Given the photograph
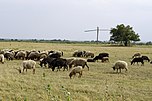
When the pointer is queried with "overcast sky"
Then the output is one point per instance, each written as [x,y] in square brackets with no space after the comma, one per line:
[68,19]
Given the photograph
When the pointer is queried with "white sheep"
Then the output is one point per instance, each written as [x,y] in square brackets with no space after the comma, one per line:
[120,65]
[2,58]
[77,69]
[28,64]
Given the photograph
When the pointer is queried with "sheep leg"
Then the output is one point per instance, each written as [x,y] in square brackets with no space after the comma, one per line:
[87,66]
[80,74]
[23,70]
[137,63]
[74,74]
[65,67]
[117,70]
[33,71]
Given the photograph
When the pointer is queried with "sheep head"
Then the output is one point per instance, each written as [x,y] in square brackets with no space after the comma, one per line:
[113,67]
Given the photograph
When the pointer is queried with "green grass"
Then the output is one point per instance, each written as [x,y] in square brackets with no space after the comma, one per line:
[100,83]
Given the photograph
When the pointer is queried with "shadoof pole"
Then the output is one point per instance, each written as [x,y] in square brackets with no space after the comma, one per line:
[97,34]
[97,30]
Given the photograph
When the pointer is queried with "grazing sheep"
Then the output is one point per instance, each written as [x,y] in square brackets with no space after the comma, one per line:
[59,63]
[103,55]
[28,64]
[97,58]
[77,69]
[42,55]
[21,55]
[120,65]
[90,60]
[136,55]
[45,61]
[79,62]
[2,58]
[56,52]
[33,55]
[69,60]
[87,54]
[54,55]
[145,58]
[137,60]
[79,53]
[9,55]
[105,59]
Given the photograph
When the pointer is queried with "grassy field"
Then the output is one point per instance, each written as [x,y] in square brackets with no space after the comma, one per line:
[100,83]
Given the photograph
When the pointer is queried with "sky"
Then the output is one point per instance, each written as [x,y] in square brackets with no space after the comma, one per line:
[69,19]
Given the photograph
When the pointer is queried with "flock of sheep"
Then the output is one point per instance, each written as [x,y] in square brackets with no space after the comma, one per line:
[53,59]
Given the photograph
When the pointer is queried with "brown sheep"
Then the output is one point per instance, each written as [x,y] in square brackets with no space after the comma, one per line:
[87,54]
[75,70]
[136,55]
[69,60]
[21,55]
[79,62]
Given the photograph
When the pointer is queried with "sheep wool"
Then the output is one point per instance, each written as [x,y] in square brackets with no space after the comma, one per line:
[28,64]
[2,58]
[77,69]
[120,65]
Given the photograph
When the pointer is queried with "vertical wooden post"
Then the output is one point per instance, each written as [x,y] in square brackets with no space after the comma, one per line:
[97,34]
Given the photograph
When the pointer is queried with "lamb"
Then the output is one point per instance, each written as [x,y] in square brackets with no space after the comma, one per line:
[79,62]
[2,58]
[77,69]
[28,64]
[120,65]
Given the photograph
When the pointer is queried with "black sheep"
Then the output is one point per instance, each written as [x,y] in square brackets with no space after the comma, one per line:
[137,60]
[145,58]
[45,61]
[103,55]
[55,55]
[90,60]
[97,58]
[58,62]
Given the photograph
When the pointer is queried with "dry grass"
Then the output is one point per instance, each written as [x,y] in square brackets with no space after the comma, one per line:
[98,84]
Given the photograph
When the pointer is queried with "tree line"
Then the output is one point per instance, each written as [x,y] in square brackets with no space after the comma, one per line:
[121,35]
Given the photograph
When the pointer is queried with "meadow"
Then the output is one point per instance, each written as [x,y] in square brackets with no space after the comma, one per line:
[100,83]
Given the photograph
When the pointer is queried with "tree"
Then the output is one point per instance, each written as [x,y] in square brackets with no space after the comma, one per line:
[123,34]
